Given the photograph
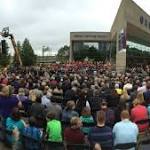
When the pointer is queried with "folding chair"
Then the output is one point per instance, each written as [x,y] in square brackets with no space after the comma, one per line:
[77,147]
[125,146]
[53,145]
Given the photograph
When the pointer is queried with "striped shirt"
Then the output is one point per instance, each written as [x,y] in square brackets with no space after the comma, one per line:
[101,135]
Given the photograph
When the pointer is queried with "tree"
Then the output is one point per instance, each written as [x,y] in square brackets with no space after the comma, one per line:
[63,53]
[5,57]
[136,56]
[91,52]
[27,54]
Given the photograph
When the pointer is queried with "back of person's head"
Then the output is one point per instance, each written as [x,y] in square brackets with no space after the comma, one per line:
[21,92]
[32,121]
[38,94]
[101,117]
[50,116]
[6,90]
[86,111]
[140,96]
[96,92]
[74,88]
[125,114]
[16,115]
[70,105]
[75,122]
[136,102]
[148,84]
[103,104]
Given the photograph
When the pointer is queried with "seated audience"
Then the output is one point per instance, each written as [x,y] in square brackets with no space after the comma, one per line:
[138,113]
[101,134]
[109,113]
[87,118]
[69,111]
[53,129]
[125,131]
[73,134]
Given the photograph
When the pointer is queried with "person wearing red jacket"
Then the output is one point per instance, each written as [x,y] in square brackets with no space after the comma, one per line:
[138,113]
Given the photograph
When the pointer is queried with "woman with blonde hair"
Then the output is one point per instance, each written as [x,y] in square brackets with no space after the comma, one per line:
[140,97]
[125,99]
[125,96]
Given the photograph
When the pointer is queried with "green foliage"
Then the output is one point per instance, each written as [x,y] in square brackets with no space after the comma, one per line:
[27,54]
[91,53]
[137,56]
[63,53]
[5,58]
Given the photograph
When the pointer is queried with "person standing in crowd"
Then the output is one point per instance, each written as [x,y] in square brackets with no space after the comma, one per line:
[54,107]
[70,94]
[69,111]
[140,97]
[46,99]
[33,132]
[53,129]
[138,113]
[109,113]
[147,93]
[73,134]
[57,94]
[87,118]
[15,124]
[101,134]
[125,131]
[7,102]
[23,99]
[37,109]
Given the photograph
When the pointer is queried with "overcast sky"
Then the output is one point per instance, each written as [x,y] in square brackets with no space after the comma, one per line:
[49,22]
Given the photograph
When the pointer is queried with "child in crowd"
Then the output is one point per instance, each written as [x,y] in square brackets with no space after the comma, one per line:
[87,118]
[73,134]
[53,129]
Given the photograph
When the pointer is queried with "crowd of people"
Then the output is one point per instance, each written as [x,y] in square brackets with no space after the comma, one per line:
[75,103]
